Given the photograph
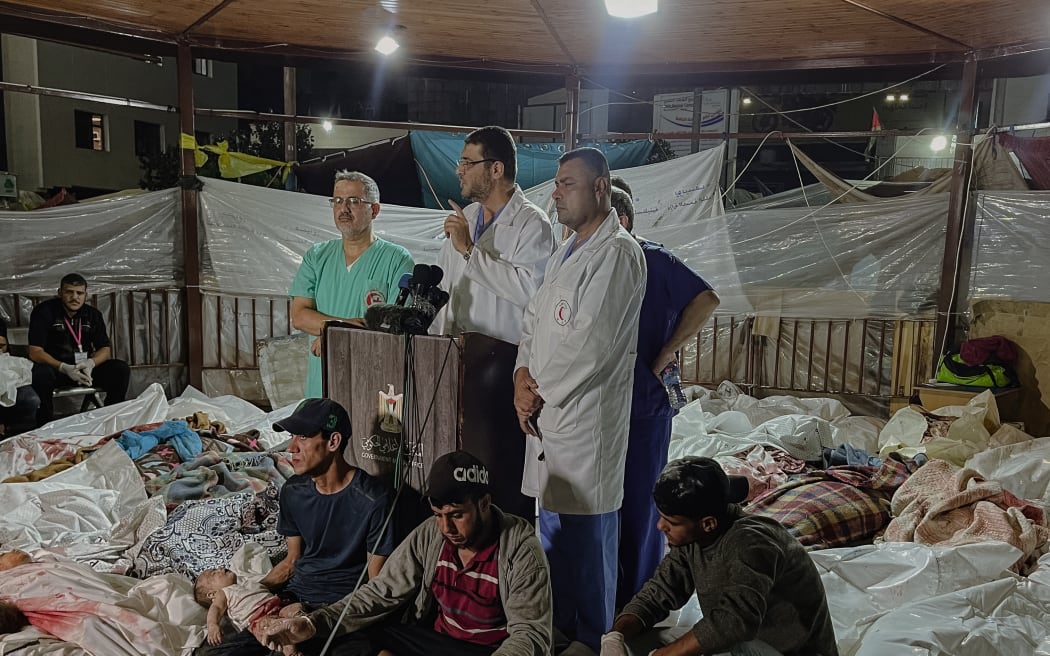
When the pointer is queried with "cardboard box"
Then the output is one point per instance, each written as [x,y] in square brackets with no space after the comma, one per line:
[937,396]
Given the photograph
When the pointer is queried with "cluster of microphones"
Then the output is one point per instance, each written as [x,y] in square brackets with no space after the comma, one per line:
[416,306]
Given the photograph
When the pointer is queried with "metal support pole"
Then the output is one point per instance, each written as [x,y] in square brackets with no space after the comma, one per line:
[572,111]
[289,108]
[698,118]
[190,240]
[958,241]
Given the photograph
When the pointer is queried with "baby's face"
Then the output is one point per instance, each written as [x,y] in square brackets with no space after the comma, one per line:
[218,578]
[14,558]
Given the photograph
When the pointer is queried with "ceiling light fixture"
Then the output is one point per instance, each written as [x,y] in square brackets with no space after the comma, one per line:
[630,8]
[387,45]
[891,98]
[327,125]
[939,143]
[746,101]
[904,97]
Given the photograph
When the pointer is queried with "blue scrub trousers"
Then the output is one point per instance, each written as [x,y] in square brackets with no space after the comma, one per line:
[581,552]
[641,544]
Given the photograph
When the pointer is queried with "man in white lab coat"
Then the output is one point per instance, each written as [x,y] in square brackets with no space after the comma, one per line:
[572,392]
[497,247]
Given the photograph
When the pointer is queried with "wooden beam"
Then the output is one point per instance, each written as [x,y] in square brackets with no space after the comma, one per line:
[190,238]
[909,24]
[959,238]
[289,108]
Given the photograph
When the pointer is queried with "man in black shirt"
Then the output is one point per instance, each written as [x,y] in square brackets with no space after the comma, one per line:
[22,415]
[69,344]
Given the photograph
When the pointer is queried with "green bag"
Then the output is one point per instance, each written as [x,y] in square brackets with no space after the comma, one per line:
[952,369]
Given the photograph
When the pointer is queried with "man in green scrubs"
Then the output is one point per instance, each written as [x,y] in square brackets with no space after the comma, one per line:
[341,278]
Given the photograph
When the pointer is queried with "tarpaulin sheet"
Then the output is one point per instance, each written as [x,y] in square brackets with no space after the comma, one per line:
[253,239]
[1011,243]
[123,243]
[680,191]
[437,153]
[389,163]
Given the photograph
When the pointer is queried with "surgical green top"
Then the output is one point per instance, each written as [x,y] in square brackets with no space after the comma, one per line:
[339,292]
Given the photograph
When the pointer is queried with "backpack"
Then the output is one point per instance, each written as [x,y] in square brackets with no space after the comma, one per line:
[952,369]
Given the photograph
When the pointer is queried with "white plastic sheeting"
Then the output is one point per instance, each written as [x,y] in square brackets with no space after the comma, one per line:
[1011,243]
[253,239]
[123,243]
[875,260]
[681,191]
[905,598]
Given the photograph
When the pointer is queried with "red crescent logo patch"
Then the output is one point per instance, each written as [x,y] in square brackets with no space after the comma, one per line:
[374,297]
[562,312]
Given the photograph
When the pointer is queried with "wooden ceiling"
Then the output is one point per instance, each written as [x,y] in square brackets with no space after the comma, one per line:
[700,35]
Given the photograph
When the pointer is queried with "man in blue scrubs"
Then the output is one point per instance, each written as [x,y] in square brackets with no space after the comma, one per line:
[677,304]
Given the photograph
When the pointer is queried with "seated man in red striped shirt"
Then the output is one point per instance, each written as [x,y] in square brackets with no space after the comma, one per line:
[470,581]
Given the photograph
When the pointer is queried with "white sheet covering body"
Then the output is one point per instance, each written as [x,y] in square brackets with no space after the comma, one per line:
[106,615]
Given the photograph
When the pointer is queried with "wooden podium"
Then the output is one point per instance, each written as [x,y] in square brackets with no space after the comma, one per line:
[460,395]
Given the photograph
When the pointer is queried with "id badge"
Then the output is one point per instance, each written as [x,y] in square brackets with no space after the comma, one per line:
[79,356]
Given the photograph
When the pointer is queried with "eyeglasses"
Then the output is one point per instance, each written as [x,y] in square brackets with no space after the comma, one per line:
[352,201]
[467,163]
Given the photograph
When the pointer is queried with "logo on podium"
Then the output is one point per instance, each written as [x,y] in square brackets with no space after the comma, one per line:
[390,409]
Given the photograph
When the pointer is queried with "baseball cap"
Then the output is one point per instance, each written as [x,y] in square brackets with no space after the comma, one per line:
[314,415]
[696,487]
[456,476]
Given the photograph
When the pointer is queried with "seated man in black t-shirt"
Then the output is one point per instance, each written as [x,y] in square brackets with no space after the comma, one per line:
[332,515]
[22,414]
[69,346]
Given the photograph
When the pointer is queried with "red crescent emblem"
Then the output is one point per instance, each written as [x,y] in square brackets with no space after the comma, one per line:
[374,297]
[562,312]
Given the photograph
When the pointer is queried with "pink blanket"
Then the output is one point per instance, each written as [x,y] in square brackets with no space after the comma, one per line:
[941,504]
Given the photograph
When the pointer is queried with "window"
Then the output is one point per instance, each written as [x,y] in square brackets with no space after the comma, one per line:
[90,130]
[149,139]
[202,66]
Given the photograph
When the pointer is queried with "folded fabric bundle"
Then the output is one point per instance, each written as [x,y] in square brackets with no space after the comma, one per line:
[177,433]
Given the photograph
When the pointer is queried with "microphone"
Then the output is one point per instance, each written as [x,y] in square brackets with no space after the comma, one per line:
[436,274]
[403,284]
[398,320]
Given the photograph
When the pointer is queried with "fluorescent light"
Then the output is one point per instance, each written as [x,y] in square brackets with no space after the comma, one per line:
[327,125]
[387,45]
[890,98]
[904,97]
[630,8]
[938,144]
[746,101]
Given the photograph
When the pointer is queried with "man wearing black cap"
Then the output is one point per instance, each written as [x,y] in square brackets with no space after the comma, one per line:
[470,581]
[332,515]
[759,591]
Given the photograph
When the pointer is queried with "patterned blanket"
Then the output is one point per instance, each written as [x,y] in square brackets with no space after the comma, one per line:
[203,534]
[841,506]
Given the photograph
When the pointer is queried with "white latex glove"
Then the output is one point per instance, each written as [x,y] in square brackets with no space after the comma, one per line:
[613,645]
[68,370]
[86,367]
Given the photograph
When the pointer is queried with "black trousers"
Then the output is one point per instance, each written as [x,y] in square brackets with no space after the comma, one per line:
[22,415]
[111,376]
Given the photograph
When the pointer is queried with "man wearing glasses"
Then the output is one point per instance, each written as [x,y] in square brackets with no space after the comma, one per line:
[341,278]
[497,247]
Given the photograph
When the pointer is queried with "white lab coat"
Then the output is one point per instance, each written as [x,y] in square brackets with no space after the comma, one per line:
[488,293]
[579,342]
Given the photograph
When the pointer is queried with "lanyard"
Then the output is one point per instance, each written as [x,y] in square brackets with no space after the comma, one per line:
[480,226]
[76,337]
